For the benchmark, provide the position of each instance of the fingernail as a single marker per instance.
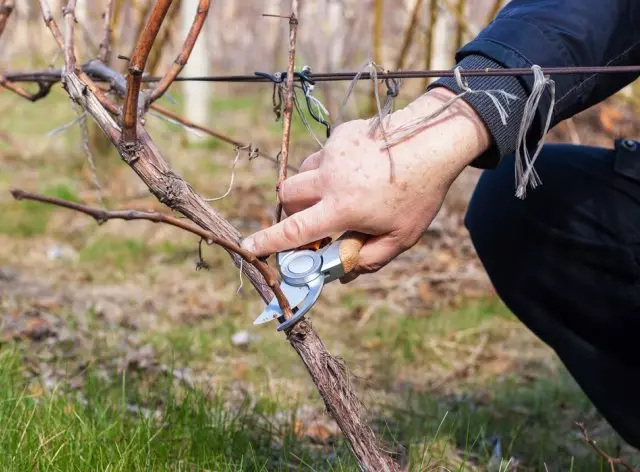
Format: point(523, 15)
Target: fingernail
point(248, 245)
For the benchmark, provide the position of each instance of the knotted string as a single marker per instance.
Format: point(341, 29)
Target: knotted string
point(304, 120)
point(372, 68)
point(382, 112)
point(318, 107)
point(406, 130)
point(529, 176)
point(393, 89)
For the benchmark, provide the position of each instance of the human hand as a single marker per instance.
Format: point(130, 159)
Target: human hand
point(348, 184)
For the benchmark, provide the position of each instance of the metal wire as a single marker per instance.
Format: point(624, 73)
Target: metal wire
point(55, 76)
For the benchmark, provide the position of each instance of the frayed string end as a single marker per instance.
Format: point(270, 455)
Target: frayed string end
point(526, 174)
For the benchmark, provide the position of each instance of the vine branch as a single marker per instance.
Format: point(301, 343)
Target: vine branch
point(104, 53)
point(189, 43)
point(288, 103)
point(102, 216)
point(136, 68)
point(70, 22)
point(6, 8)
point(51, 23)
point(43, 89)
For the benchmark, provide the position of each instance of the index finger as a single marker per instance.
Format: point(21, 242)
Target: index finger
point(296, 230)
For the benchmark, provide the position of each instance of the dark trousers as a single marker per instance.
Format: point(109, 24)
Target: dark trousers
point(566, 261)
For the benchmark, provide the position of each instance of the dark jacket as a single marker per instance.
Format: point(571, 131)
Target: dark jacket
point(550, 33)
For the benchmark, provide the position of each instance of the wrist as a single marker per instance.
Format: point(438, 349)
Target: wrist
point(457, 134)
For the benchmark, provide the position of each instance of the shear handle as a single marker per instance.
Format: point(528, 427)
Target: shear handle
point(341, 256)
point(350, 244)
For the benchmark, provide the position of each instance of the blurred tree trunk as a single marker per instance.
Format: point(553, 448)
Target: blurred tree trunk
point(432, 13)
point(335, 52)
point(444, 43)
point(461, 8)
point(408, 34)
point(196, 94)
point(495, 8)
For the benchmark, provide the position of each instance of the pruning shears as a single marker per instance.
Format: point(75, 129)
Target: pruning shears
point(306, 270)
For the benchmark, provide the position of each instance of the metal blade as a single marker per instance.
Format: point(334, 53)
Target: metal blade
point(294, 294)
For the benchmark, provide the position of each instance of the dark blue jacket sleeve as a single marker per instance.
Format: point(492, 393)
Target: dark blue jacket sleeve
point(559, 33)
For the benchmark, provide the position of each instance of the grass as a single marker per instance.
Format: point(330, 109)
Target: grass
point(58, 432)
point(120, 253)
point(143, 421)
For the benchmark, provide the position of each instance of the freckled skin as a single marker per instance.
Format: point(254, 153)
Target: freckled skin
point(348, 185)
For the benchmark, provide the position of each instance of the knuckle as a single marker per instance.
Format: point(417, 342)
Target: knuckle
point(292, 230)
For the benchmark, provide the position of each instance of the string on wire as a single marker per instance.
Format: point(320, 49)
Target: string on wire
point(315, 107)
point(525, 172)
point(370, 68)
point(305, 122)
point(393, 90)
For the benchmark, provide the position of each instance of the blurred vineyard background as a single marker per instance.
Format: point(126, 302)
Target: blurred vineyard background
point(116, 353)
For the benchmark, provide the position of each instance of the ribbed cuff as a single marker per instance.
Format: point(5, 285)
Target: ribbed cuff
point(504, 136)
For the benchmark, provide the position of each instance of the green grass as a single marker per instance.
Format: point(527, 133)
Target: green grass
point(58, 432)
point(531, 417)
point(118, 253)
point(98, 429)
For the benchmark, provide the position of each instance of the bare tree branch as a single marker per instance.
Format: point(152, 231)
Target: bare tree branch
point(6, 8)
point(102, 216)
point(288, 104)
point(118, 82)
point(51, 23)
point(612, 461)
point(43, 89)
point(105, 46)
point(102, 98)
point(189, 43)
point(136, 68)
point(164, 39)
point(68, 49)
point(69, 46)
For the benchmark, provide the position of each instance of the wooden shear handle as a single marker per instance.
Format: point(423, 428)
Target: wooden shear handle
point(350, 244)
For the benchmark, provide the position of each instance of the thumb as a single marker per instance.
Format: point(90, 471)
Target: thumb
point(298, 229)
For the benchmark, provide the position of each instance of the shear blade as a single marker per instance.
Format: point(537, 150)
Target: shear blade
point(295, 296)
